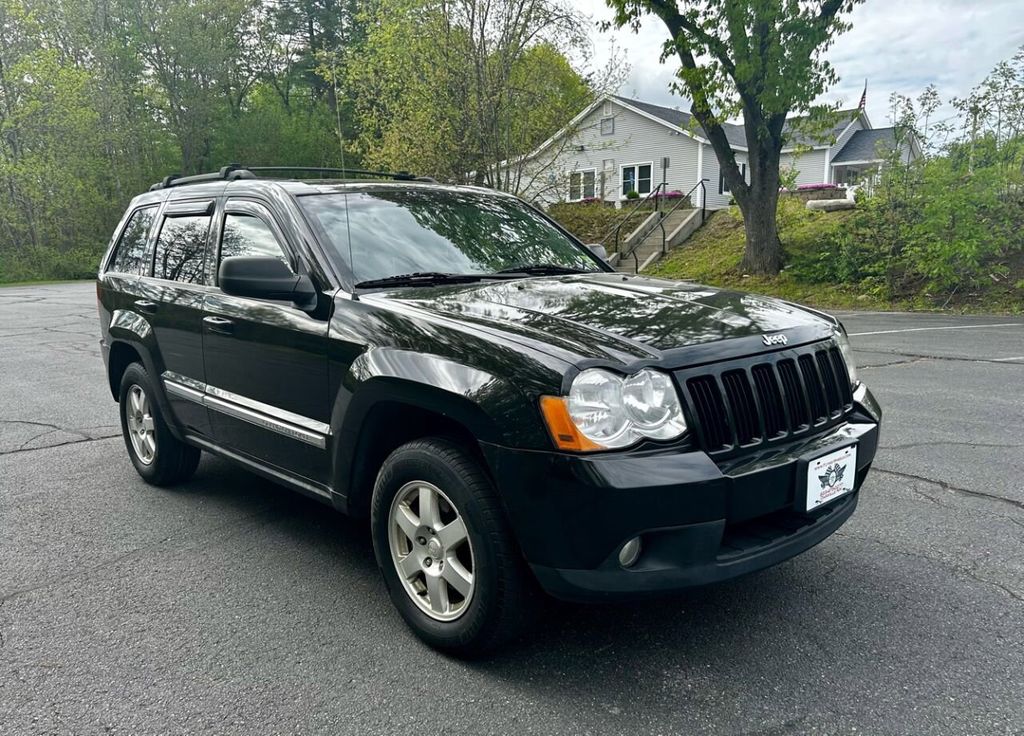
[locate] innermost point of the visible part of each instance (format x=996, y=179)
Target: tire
x=158, y=456
x=502, y=595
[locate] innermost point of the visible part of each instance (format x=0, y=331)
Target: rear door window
x=181, y=249
x=131, y=248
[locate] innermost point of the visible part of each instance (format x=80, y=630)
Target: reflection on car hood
x=609, y=315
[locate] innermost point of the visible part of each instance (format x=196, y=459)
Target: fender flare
x=486, y=406
x=133, y=330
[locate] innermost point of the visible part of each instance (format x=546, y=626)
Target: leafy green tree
x=762, y=60
x=203, y=64
x=453, y=88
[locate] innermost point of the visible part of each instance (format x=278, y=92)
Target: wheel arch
x=122, y=355
x=374, y=429
x=125, y=352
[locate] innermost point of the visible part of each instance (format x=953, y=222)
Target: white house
x=617, y=145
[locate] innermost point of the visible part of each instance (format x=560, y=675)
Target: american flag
x=864, y=96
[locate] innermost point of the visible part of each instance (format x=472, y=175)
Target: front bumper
x=700, y=522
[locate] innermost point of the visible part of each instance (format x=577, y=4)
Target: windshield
x=396, y=232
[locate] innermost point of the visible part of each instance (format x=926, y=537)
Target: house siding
x=636, y=140
x=712, y=169
x=810, y=165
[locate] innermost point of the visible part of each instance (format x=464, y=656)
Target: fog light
x=630, y=552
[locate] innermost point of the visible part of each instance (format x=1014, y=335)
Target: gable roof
x=843, y=120
x=680, y=119
x=867, y=145
x=735, y=134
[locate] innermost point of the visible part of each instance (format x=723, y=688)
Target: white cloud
x=897, y=46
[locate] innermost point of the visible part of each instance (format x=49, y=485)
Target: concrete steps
x=679, y=225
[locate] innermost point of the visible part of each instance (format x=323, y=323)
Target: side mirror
x=265, y=277
x=598, y=250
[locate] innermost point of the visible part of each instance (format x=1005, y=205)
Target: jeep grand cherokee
x=504, y=409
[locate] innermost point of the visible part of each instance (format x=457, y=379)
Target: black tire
x=505, y=596
x=172, y=461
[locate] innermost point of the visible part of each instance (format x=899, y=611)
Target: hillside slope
x=815, y=243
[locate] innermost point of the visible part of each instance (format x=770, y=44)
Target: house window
x=582, y=185
x=637, y=178
x=607, y=126
x=607, y=109
x=723, y=185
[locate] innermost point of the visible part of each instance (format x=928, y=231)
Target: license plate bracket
x=822, y=478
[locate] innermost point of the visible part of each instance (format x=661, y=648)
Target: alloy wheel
x=431, y=550
x=141, y=429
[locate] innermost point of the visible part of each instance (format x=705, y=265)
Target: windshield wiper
x=423, y=278
x=542, y=269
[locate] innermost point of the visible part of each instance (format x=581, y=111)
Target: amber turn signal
x=563, y=431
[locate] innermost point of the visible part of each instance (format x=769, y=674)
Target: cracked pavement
x=231, y=606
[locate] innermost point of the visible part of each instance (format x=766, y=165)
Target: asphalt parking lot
x=231, y=606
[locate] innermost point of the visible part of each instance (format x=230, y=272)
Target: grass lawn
x=712, y=256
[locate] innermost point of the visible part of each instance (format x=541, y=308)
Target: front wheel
x=445, y=550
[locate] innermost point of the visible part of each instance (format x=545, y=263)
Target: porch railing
x=686, y=198
x=616, y=231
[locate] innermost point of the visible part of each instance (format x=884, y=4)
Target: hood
x=610, y=315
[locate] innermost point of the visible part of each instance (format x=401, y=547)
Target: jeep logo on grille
x=774, y=339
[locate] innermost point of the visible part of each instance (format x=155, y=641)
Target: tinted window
x=387, y=233
x=131, y=248
x=181, y=249
x=248, y=235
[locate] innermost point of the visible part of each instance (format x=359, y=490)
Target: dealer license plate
x=831, y=476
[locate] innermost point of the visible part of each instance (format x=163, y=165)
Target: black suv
x=505, y=409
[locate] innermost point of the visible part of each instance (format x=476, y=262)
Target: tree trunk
x=759, y=204
x=763, y=252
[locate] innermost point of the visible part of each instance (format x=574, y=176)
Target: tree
x=757, y=58
x=454, y=87
x=202, y=64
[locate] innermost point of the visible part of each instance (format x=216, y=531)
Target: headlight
x=847, y=350
x=605, y=411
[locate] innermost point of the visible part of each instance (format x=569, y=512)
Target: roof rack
x=231, y=172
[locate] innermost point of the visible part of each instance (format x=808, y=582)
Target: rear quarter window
x=130, y=250
x=181, y=249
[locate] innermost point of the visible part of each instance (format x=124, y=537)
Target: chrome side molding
x=272, y=418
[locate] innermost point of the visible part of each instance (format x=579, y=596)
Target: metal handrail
x=661, y=222
x=616, y=230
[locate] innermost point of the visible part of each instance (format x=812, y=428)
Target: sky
x=896, y=45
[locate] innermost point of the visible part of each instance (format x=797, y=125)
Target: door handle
x=145, y=306
x=219, y=325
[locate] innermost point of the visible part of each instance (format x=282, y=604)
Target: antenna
x=341, y=143
x=337, y=108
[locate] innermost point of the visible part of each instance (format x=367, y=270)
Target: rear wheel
x=445, y=550
x=158, y=456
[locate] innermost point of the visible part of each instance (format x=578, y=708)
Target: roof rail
x=396, y=175
x=225, y=173
x=232, y=172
